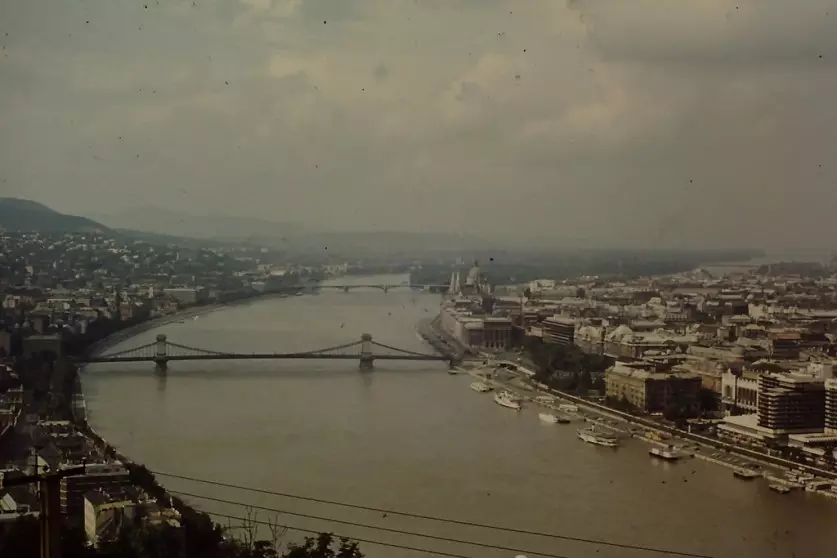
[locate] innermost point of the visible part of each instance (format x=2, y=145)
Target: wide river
x=410, y=437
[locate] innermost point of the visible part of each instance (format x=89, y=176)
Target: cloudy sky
x=651, y=122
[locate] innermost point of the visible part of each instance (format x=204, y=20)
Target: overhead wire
x=246, y=520
x=585, y=540
x=375, y=527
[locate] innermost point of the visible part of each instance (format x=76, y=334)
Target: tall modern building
x=791, y=403
x=558, y=331
x=831, y=405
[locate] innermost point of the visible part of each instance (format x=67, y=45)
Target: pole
x=50, y=489
x=49, y=494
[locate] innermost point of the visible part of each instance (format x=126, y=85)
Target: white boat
x=507, y=400
x=545, y=399
x=668, y=453
x=590, y=435
x=481, y=387
x=548, y=417
x=745, y=474
x=781, y=489
x=567, y=408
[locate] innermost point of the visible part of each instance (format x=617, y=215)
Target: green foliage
x=324, y=546
x=20, y=539
x=578, y=366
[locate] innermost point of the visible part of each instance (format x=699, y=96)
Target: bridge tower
x=161, y=360
x=366, y=358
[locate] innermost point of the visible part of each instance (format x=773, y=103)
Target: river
x=410, y=437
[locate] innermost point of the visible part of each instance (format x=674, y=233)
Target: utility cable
x=368, y=526
x=245, y=521
x=440, y=519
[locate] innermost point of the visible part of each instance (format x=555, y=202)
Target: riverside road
x=411, y=437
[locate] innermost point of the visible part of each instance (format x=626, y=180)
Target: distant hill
x=18, y=214
x=217, y=227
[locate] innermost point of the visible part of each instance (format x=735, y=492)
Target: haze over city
x=642, y=123
x=410, y=278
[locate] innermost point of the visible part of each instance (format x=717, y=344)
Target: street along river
x=408, y=436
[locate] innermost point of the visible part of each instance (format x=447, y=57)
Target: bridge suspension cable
x=195, y=349
x=397, y=350
x=131, y=350
x=330, y=349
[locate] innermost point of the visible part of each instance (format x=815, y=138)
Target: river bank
x=186, y=313
x=718, y=452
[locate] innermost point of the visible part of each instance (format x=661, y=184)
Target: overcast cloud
x=653, y=122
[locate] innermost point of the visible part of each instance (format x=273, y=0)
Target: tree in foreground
x=324, y=546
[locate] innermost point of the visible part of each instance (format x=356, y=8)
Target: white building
x=105, y=512
x=740, y=391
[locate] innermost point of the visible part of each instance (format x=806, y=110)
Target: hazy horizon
x=645, y=123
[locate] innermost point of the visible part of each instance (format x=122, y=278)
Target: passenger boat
x=745, y=474
x=508, y=400
x=667, y=453
x=780, y=488
x=548, y=417
x=481, y=387
x=590, y=436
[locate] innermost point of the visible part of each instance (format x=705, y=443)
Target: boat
x=590, y=435
x=818, y=485
x=668, y=453
x=746, y=474
x=545, y=399
x=548, y=417
x=567, y=408
x=506, y=399
x=781, y=489
x=481, y=387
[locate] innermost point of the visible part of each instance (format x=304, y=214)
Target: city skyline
x=598, y=120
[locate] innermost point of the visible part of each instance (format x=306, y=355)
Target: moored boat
x=590, y=435
x=745, y=474
x=506, y=399
x=481, y=387
x=548, y=417
x=780, y=488
x=668, y=453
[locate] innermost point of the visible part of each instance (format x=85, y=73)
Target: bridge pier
x=367, y=359
x=161, y=367
x=161, y=363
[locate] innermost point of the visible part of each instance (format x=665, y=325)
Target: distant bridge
x=366, y=351
x=382, y=286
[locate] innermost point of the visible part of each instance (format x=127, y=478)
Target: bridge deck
x=263, y=356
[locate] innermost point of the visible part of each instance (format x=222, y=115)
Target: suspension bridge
x=348, y=287
x=365, y=351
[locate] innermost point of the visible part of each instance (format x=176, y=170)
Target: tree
x=323, y=546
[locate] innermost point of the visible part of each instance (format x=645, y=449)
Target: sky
x=664, y=123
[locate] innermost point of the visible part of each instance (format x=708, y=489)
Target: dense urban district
x=742, y=360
